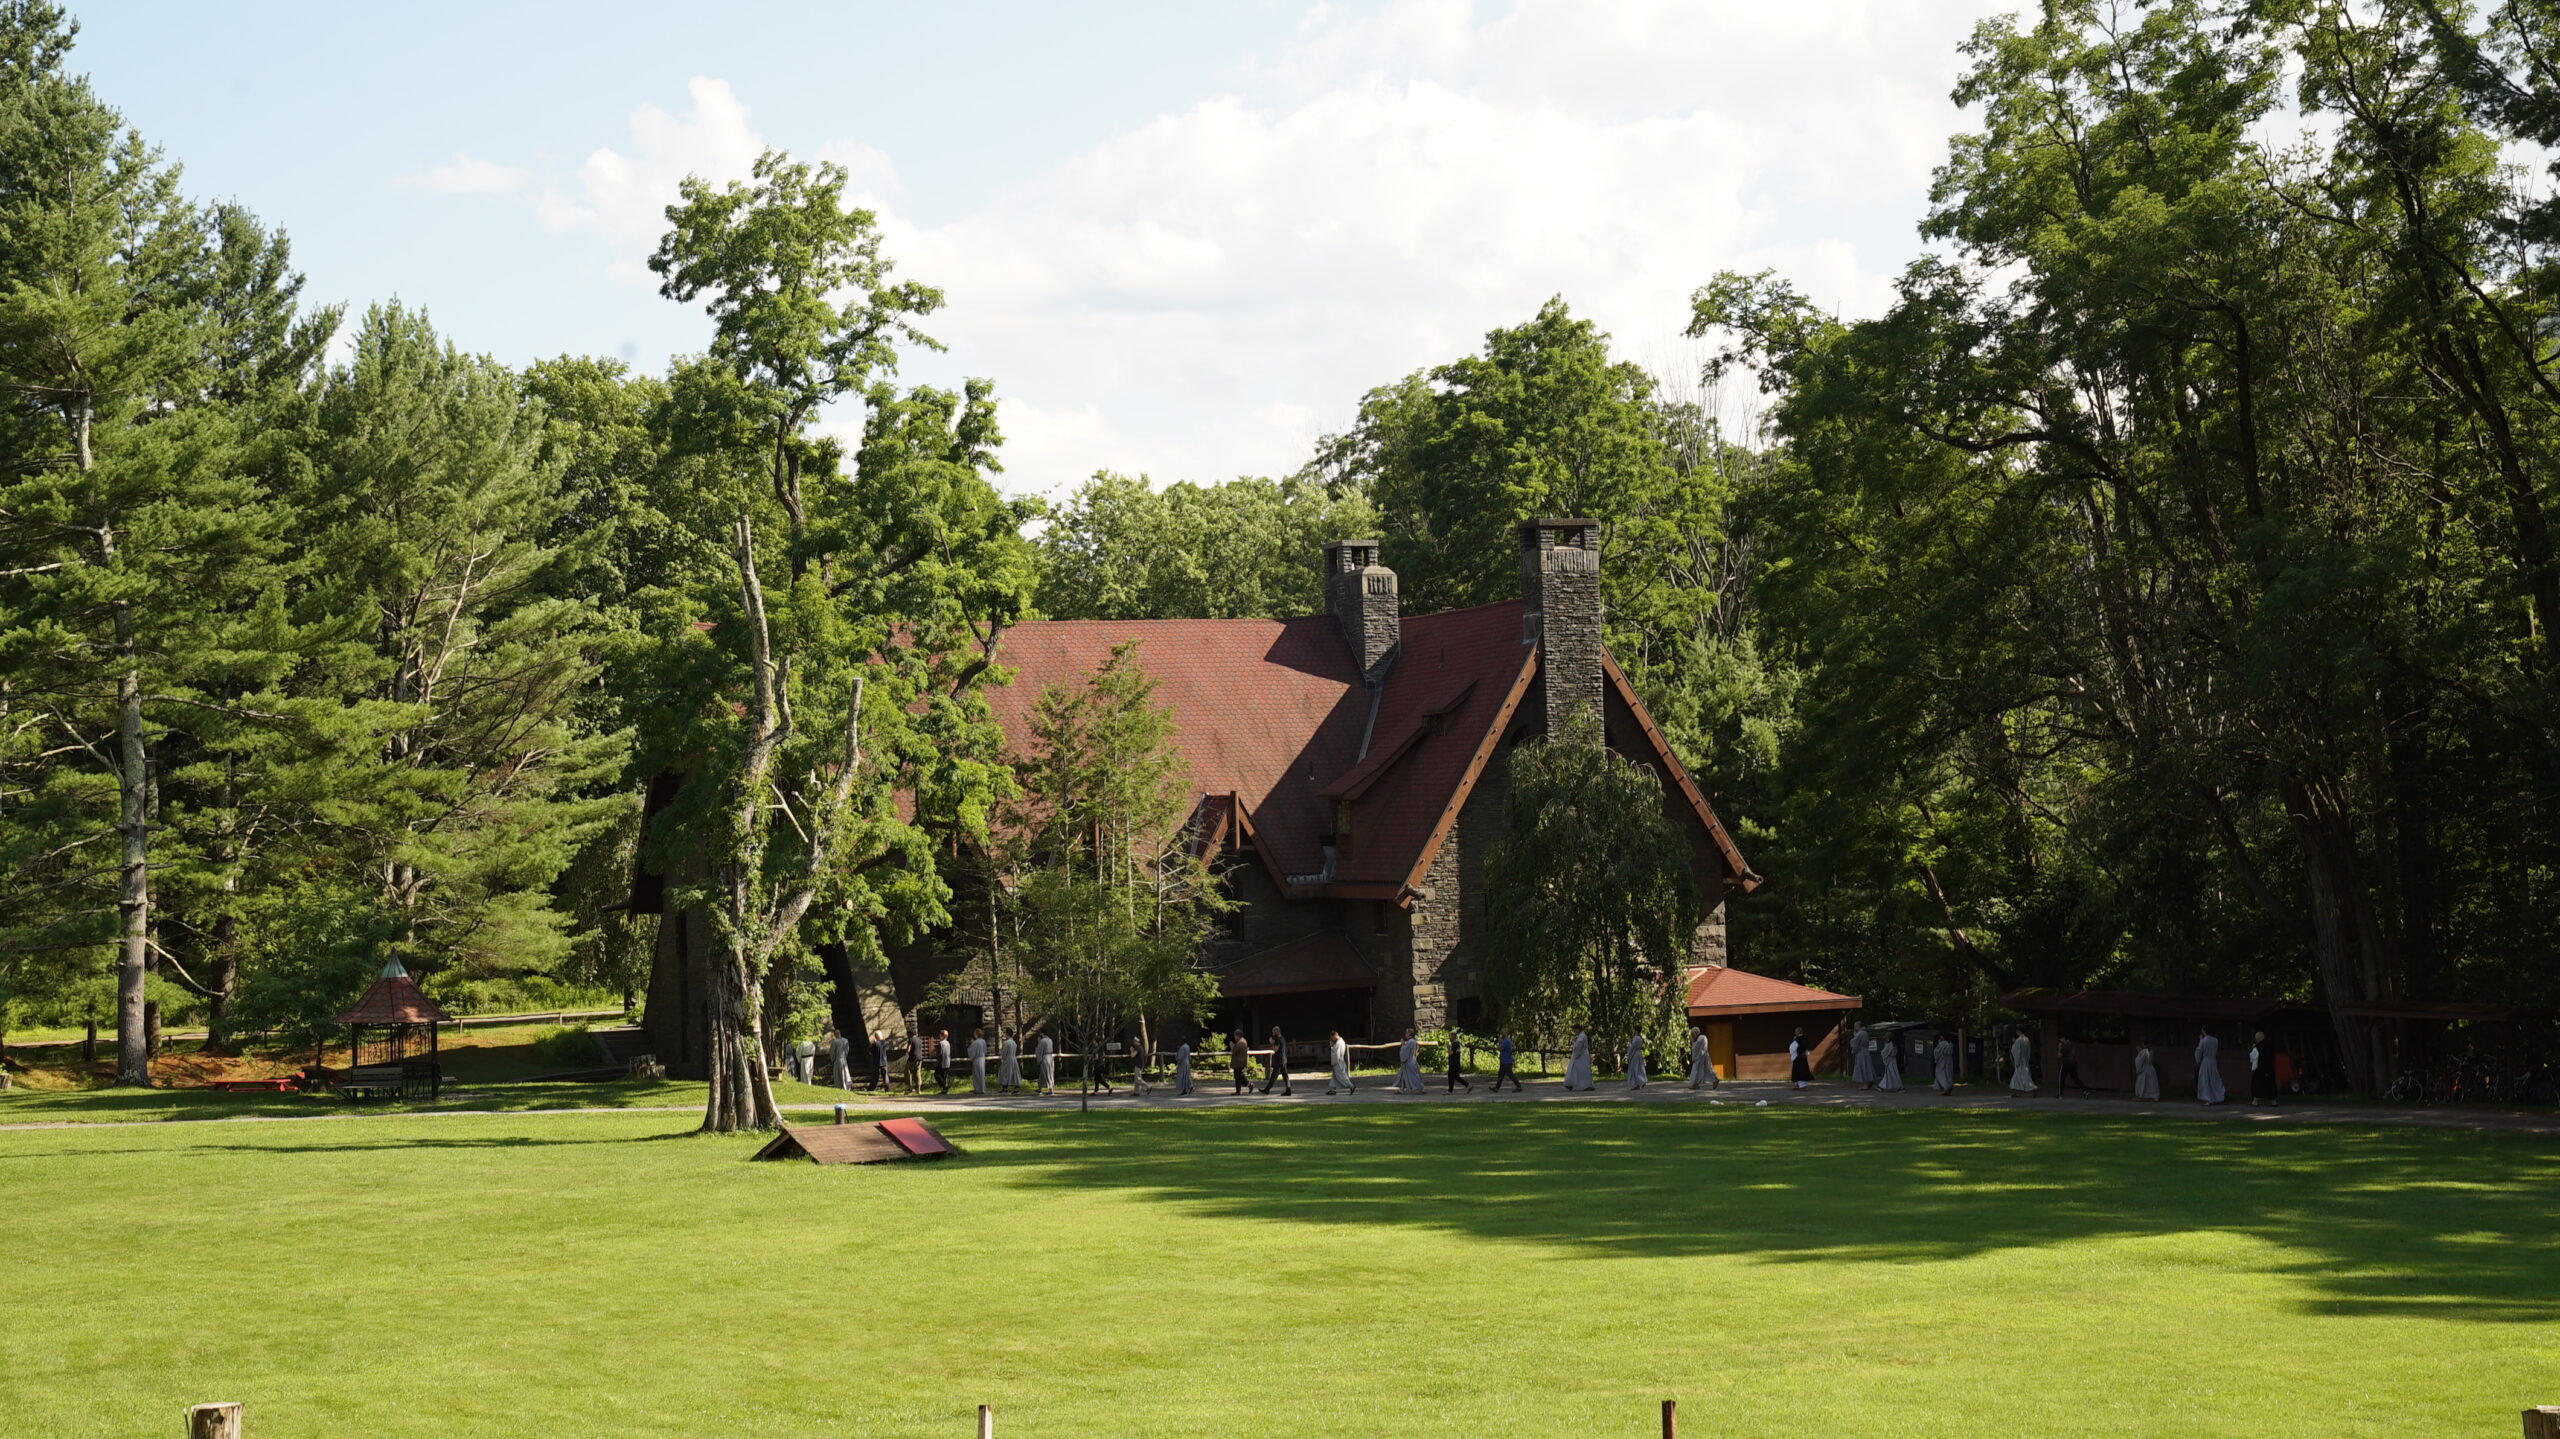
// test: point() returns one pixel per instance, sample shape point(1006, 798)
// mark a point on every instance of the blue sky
point(1182, 238)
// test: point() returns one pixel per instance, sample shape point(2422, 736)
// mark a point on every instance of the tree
point(430, 495)
point(1591, 910)
point(1114, 899)
point(1121, 549)
point(139, 562)
point(821, 663)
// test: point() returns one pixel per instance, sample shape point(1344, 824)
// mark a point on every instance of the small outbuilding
point(391, 1039)
point(1749, 1018)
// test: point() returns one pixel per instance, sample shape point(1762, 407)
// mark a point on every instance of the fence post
point(986, 1421)
point(2542, 1422)
point(1670, 1419)
point(214, 1421)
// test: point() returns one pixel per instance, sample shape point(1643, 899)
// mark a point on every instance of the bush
point(569, 1047)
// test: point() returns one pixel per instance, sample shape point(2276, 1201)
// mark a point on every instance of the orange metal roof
point(1719, 989)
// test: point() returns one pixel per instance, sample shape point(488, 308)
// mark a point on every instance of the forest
point(2161, 592)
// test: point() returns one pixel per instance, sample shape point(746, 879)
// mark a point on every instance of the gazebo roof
point(395, 999)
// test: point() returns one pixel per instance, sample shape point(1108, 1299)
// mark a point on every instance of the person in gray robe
point(840, 1054)
point(1047, 1052)
point(1943, 1063)
point(1702, 1063)
point(1182, 1069)
point(1009, 1064)
point(978, 1061)
point(2209, 1088)
point(1339, 1053)
point(1635, 1061)
point(1862, 1058)
point(2146, 1074)
point(1409, 1065)
point(1889, 1068)
point(2022, 1074)
point(1577, 1066)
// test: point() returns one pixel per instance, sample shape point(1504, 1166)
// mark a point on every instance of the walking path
point(1771, 1094)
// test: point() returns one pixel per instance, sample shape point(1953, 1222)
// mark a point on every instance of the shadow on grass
point(2382, 1221)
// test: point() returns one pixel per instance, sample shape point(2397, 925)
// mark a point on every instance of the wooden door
point(1720, 1047)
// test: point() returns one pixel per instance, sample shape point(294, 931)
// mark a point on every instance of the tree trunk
point(2342, 932)
point(133, 894)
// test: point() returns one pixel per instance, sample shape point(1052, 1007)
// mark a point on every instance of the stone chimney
point(1560, 588)
point(1362, 595)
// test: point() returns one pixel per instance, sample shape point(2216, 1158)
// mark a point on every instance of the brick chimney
point(1362, 595)
point(1560, 586)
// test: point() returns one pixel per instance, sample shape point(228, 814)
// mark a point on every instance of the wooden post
point(986, 1421)
point(214, 1421)
point(1670, 1419)
point(2542, 1422)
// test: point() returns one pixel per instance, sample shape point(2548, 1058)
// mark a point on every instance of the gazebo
point(384, 1032)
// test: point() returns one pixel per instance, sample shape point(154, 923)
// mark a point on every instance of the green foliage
point(1590, 907)
point(1245, 549)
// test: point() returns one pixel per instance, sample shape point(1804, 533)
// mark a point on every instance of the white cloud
point(1202, 294)
point(464, 175)
point(623, 196)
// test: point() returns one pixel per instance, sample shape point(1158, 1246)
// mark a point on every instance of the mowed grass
point(1438, 1269)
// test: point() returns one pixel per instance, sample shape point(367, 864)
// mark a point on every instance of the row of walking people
point(2209, 1085)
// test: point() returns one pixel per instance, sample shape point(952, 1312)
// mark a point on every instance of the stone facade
point(1560, 587)
point(1362, 595)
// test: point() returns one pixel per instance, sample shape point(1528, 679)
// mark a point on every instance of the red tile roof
point(395, 999)
point(1719, 989)
point(1274, 713)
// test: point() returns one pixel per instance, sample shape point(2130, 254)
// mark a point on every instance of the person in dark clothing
point(1505, 1058)
point(1799, 1060)
point(942, 1061)
point(2066, 1069)
point(1098, 1068)
point(880, 1061)
point(2262, 1070)
point(1279, 1062)
point(1241, 1056)
point(1457, 1081)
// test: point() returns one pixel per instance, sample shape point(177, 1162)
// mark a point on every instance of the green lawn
point(1438, 1269)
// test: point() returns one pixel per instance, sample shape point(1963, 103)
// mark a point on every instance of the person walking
point(2209, 1088)
point(1457, 1075)
point(1862, 1058)
point(1943, 1065)
point(2022, 1074)
point(1241, 1056)
point(880, 1061)
point(1889, 1068)
point(804, 1061)
point(1799, 1061)
point(2262, 1070)
point(840, 1054)
point(1009, 1064)
point(1097, 1067)
point(1409, 1065)
point(942, 1061)
point(1182, 1069)
point(1702, 1063)
point(1046, 1051)
point(2066, 1068)
point(2146, 1074)
point(1577, 1066)
point(977, 1061)
point(1635, 1061)
point(1279, 1063)
point(1506, 1059)
point(1340, 1054)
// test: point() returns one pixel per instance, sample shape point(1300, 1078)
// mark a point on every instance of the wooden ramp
point(858, 1143)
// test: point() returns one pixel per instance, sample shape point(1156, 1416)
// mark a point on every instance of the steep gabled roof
point(1289, 752)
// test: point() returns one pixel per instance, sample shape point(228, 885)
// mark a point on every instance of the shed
point(1749, 1018)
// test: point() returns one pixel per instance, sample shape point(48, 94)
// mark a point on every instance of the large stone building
point(1348, 772)
point(1349, 769)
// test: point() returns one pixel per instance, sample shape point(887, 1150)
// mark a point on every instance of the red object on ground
point(914, 1136)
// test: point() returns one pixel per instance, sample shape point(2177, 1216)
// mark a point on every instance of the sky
point(1183, 239)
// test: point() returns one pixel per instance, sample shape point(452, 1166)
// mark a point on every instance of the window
point(1378, 918)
